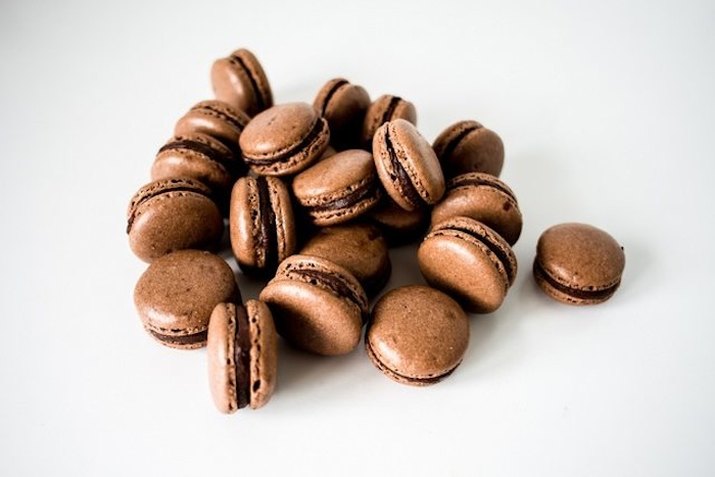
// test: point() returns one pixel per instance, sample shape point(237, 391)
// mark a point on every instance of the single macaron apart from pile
point(313, 196)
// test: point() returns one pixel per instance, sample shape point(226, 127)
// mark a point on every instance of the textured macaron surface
point(277, 130)
point(467, 146)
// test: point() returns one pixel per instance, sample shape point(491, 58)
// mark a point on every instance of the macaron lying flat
point(242, 356)
point(467, 146)
point(172, 214)
point(216, 119)
point(318, 306)
point(468, 261)
point(482, 197)
point(578, 264)
point(240, 81)
point(343, 105)
point(417, 335)
point(200, 157)
point(339, 188)
point(386, 108)
point(284, 139)
point(359, 248)
point(407, 165)
point(261, 224)
point(177, 293)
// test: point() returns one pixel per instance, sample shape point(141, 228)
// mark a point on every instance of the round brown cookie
point(242, 355)
point(240, 81)
point(177, 293)
point(470, 262)
point(482, 197)
point(318, 306)
point(339, 188)
point(417, 335)
point(218, 120)
point(467, 146)
point(200, 157)
point(398, 225)
point(284, 139)
point(359, 248)
point(383, 109)
point(578, 264)
point(343, 105)
point(172, 214)
point(407, 165)
point(261, 224)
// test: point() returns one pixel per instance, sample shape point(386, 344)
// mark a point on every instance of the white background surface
point(606, 111)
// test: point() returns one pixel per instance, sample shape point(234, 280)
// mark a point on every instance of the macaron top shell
point(240, 81)
point(407, 165)
point(417, 334)
point(581, 256)
point(386, 108)
point(214, 118)
point(467, 146)
point(343, 105)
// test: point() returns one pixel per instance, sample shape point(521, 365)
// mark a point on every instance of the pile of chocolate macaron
point(314, 196)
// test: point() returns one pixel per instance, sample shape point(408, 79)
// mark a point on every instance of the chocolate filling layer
point(501, 255)
point(260, 100)
point(242, 358)
point(267, 238)
point(232, 120)
point(334, 283)
point(387, 115)
point(383, 367)
point(303, 144)
point(225, 160)
point(479, 182)
point(329, 96)
point(367, 190)
point(452, 145)
point(181, 339)
point(575, 292)
point(180, 187)
point(399, 173)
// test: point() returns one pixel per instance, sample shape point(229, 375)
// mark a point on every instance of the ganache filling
point(336, 285)
point(387, 115)
point(260, 100)
point(307, 140)
point(330, 94)
point(452, 145)
point(574, 292)
point(233, 121)
point(181, 339)
point(408, 188)
point(242, 357)
point(479, 182)
point(501, 255)
point(146, 198)
point(223, 159)
point(268, 239)
point(367, 190)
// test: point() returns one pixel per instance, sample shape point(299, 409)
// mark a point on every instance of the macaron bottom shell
point(570, 295)
point(400, 378)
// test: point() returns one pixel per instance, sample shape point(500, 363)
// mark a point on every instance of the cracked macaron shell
point(175, 296)
point(482, 197)
point(240, 81)
point(417, 335)
point(343, 105)
point(467, 146)
point(261, 223)
point(359, 248)
point(386, 108)
point(284, 139)
point(172, 214)
point(407, 165)
point(221, 353)
point(317, 305)
point(338, 188)
point(578, 263)
point(470, 262)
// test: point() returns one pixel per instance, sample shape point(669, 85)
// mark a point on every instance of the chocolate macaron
point(200, 157)
point(578, 264)
point(398, 225)
point(172, 214)
point(407, 165)
point(261, 224)
point(177, 293)
point(467, 146)
point(386, 108)
point(318, 306)
point(343, 105)
point(284, 139)
point(242, 356)
point(359, 248)
point(469, 261)
point(339, 188)
point(482, 197)
point(417, 335)
point(216, 119)
point(240, 81)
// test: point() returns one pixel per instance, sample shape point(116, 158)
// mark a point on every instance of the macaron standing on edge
point(467, 146)
point(240, 81)
point(384, 109)
point(343, 105)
